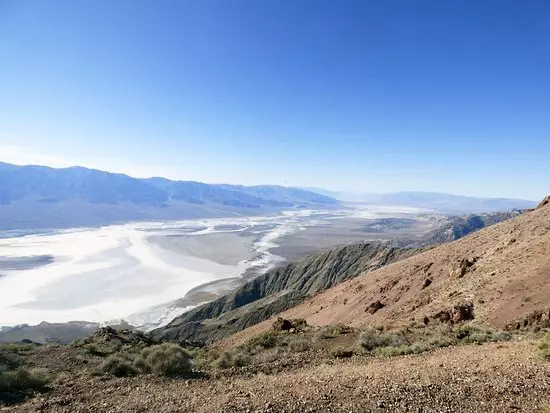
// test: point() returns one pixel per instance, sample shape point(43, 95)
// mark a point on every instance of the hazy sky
point(374, 96)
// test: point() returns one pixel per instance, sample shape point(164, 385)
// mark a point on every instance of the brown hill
point(498, 276)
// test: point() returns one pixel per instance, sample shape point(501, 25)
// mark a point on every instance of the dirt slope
point(503, 272)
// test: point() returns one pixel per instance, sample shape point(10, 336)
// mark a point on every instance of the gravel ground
point(494, 377)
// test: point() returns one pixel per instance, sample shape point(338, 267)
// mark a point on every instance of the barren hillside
point(497, 276)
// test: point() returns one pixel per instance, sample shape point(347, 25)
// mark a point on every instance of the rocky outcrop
point(544, 202)
point(460, 269)
point(282, 324)
point(279, 290)
point(374, 307)
point(457, 314)
point(540, 318)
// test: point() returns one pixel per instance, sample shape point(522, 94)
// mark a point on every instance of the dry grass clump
point(165, 359)
point(263, 348)
point(263, 341)
point(373, 338)
point(418, 339)
point(298, 345)
point(119, 365)
point(333, 330)
point(544, 349)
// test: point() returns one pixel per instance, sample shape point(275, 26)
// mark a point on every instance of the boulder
point(282, 324)
point(291, 326)
point(374, 307)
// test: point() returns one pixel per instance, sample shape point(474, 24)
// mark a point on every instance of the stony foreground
point(494, 377)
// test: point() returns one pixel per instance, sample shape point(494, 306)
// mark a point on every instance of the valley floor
point(493, 377)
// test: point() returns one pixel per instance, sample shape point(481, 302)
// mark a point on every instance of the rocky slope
point(497, 276)
point(494, 377)
point(456, 227)
point(288, 286)
point(278, 290)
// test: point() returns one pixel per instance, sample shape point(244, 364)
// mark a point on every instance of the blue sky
point(372, 96)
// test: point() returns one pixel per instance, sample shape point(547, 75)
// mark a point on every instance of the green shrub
point(469, 334)
point(341, 352)
point(263, 341)
point(8, 360)
point(16, 385)
point(119, 366)
point(164, 359)
point(544, 347)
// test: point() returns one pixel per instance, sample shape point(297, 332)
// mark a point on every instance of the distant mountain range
point(38, 197)
point(43, 197)
point(441, 202)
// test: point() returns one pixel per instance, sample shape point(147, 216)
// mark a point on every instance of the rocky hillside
point(497, 276)
point(287, 286)
point(278, 290)
point(456, 227)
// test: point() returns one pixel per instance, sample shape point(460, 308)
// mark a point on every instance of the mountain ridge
point(36, 196)
point(439, 201)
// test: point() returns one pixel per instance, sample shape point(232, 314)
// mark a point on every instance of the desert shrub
point(8, 360)
point(333, 330)
point(227, 360)
point(390, 351)
point(164, 359)
point(203, 358)
point(374, 338)
point(298, 345)
point(438, 341)
point(224, 361)
point(341, 352)
point(263, 341)
point(545, 408)
point(16, 385)
point(241, 359)
point(469, 334)
point(101, 349)
point(544, 347)
point(19, 347)
point(119, 366)
point(271, 355)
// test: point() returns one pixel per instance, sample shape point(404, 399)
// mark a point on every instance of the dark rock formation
point(457, 314)
point(278, 290)
point(374, 307)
